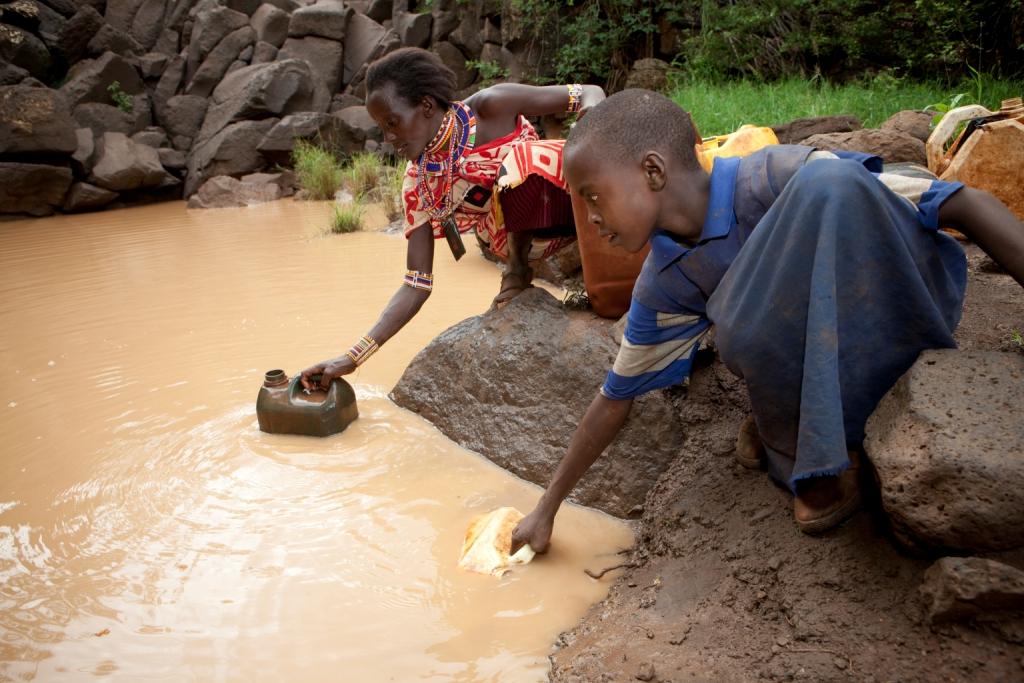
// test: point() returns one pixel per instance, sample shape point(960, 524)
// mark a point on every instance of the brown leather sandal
point(823, 503)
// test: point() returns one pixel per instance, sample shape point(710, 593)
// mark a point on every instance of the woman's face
point(409, 128)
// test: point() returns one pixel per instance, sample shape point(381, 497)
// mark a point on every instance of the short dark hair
point(630, 122)
point(416, 73)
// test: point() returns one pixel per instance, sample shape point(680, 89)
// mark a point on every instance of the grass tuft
point(317, 170)
point(347, 218)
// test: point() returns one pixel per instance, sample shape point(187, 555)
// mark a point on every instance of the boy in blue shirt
point(824, 281)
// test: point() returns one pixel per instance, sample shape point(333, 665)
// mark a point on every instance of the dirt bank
point(724, 587)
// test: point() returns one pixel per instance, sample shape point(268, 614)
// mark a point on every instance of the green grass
point(317, 170)
point(720, 108)
point(362, 173)
point(389, 190)
point(347, 218)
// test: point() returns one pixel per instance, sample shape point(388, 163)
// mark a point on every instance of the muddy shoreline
point(724, 587)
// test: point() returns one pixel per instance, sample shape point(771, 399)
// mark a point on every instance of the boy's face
point(620, 198)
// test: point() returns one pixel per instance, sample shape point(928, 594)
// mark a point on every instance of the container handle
point(935, 148)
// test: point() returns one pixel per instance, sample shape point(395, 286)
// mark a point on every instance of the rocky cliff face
point(110, 101)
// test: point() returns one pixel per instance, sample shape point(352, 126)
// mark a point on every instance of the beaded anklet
point(418, 280)
point(362, 349)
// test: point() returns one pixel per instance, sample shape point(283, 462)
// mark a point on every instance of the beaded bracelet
point(575, 98)
point(362, 349)
point(418, 280)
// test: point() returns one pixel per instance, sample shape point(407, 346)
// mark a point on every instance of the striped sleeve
point(657, 351)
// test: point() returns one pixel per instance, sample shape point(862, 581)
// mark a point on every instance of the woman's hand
point(329, 370)
point(535, 529)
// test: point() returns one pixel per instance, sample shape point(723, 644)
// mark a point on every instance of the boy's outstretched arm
point(599, 426)
point(990, 225)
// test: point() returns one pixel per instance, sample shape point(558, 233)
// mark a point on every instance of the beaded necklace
point(441, 157)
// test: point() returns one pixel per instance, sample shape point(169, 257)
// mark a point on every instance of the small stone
point(762, 514)
point(782, 641)
point(646, 672)
point(774, 563)
point(760, 595)
point(839, 662)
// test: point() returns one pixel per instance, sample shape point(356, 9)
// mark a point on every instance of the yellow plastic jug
point(743, 141)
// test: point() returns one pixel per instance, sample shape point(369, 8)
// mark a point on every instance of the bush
point(347, 218)
point(317, 170)
point(362, 173)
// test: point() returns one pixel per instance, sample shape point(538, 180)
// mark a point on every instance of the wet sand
point(149, 531)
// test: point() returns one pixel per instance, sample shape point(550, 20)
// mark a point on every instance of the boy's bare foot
point(822, 503)
point(513, 283)
point(749, 449)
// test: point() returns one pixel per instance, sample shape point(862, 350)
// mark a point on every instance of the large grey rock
point(915, 123)
point(413, 28)
point(218, 61)
point(232, 151)
point(21, 48)
point(109, 39)
point(83, 157)
point(169, 83)
point(86, 197)
point(11, 74)
point(361, 41)
point(324, 56)
point(353, 127)
point(512, 385)
point(119, 13)
point(35, 189)
point(453, 59)
point(260, 91)
point(142, 19)
point(64, 7)
point(103, 118)
point(379, 10)
point(892, 145)
point(263, 53)
point(467, 35)
point(957, 588)
point(183, 115)
point(152, 136)
point(124, 165)
point(35, 120)
point(88, 81)
point(445, 21)
point(800, 129)
point(270, 24)
point(211, 26)
point(168, 43)
point(325, 19)
point(947, 443)
point(152, 65)
point(172, 158)
point(277, 145)
point(51, 23)
point(24, 14)
point(224, 191)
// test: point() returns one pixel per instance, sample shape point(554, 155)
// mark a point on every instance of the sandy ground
point(724, 588)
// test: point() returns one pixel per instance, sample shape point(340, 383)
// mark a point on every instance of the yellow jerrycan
point(988, 153)
point(743, 141)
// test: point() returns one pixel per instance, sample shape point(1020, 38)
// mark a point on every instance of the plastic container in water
point(283, 406)
point(988, 154)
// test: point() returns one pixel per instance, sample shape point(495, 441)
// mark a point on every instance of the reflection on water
point(149, 531)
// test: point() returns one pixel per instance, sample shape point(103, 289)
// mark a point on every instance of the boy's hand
point(328, 370)
point(535, 529)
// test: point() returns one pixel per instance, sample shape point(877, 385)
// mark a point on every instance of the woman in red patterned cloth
point(473, 166)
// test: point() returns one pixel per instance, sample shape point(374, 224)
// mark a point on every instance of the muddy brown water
point(150, 531)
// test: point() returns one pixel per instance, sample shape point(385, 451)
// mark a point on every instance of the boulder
point(152, 136)
point(325, 19)
point(119, 13)
point(914, 123)
point(172, 158)
point(169, 83)
point(51, 23)
point(212, 25)
point(82, 158)
point(224, 191)
point(89, 80)
point(259, 91)
point(232, 151)
point(353, 127)
point(103, 118)
point(23, 14)
point(361, 41)
point(270, 24)
point(152, 65)
point(343, 101)
point(35, 189)
point(379, 10)
point(35, 120)
point(798, 130)
point(285, 180)
point(264, 53)
point(893, 146)
point(957, 588)
point(244, 6)
point(453, 59)
point(512, 384)
point(11, 74)
point(466, 35)
point(413, 29)
point(183, 115)
point(216, 64)
point(147, 23)
point(650, 74)
point(947, 444)
point(445, 21)
point(323, 55)
point(86, 197)
point(64, 7)
point(123, 165)
point(277, 145)
point(109, 39)
point(21, 48)
point(561, 267)
point(168, 43)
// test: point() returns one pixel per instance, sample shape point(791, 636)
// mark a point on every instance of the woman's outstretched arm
point(506, 101)
point(402, 308)
point(991, 225)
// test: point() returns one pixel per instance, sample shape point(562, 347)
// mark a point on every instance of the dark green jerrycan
point(283, 407)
